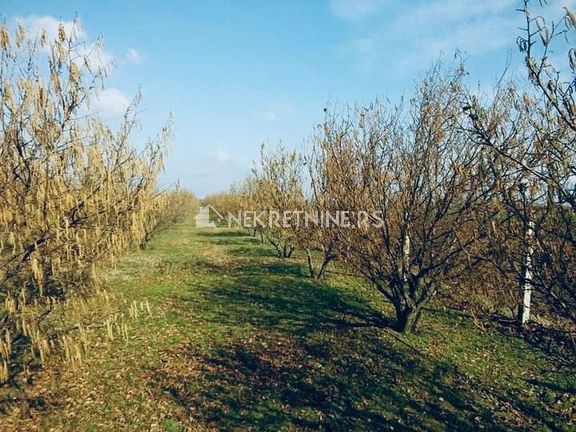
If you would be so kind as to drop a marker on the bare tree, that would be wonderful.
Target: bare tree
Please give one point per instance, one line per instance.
(532, 137)
(413, 188)
(317, 241)
(277, 190)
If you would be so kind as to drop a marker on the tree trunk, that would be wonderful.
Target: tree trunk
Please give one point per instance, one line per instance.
(324, 266)
(526, 280)
(287, 251)
(318, 274)
(407, 318)
(311, 269)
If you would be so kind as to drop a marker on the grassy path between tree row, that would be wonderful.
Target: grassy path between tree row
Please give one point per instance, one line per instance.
(241, 340)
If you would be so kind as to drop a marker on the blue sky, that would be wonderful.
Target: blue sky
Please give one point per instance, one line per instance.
(235, 73)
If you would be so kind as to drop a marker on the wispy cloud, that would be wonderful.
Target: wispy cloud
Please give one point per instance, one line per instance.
(440, 12)
(134, 56)
(412, 35)
(93, 51)
(223, 155)
(35, 24)
(270, 114)
(277, 111)
(357, 9)
(109, 103)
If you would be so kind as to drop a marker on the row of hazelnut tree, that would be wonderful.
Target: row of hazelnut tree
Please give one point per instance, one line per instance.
(475, 196)
(73, 191)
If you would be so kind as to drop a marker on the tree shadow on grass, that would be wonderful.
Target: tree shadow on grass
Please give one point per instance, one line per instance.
(219, 234)
(275, 267)
(304, 369)
(319, 358)
(275, 297)
(227, 237)
(259, 269)
(253, 250)
(24, 401)
(555, 343)
(345, 380)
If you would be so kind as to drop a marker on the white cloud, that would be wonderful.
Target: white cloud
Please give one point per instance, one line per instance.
(134, 56)
(270, 114)
(441, 12)
(96, 55)
(356, 9)
(35, 24)
(472, 27)
(414, 34)
(222, 155)
(109, 103)
(275, 112)
(93, 51)
(470, 38)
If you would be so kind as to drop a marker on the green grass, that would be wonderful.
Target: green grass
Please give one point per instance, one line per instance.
(241, 340)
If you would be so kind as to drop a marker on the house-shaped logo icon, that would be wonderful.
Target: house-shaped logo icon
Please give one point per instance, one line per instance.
(208, 217)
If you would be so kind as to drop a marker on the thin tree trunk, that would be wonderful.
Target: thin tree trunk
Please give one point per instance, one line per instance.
(405, 256)
(324, 266)
(526, 280)
(311, 269)
(287, 251)
(319, 274)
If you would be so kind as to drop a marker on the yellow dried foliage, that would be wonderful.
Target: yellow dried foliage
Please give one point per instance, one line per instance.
(74, 192)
